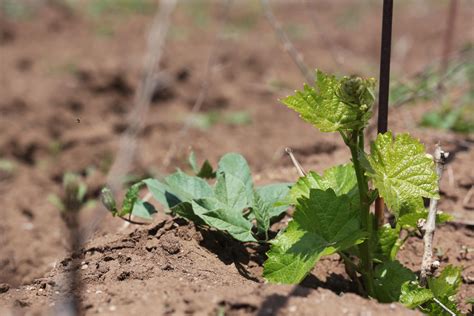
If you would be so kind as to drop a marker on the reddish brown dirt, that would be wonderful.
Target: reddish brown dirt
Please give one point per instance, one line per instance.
(66, 91)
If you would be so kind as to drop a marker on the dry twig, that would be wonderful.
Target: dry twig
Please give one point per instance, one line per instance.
(285, 41)
(295, 162)
(429, 227)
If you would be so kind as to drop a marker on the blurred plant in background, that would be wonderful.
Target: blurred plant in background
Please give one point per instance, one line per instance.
(453, 90)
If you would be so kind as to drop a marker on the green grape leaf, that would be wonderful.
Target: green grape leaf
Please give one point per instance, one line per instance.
(327, 107)
(401, 171)
(131, 196)
(143, 209)
(341, 179)
(410, 220)
(323, 224)
(222, 217)
(413, 295)
(447, 283)
(387, 247)
(389, 279)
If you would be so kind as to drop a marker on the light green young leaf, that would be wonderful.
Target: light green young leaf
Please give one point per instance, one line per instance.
(410, 220)
(401, 170)
(131, 196)
(387, 248)
(235, 167)
(389, 278)
(143, 209)
(326, 105)
(413, 295)
(205, 171)
(447, 283)
(341, 179)
(192, 162)
(222, 217)
(322, 225)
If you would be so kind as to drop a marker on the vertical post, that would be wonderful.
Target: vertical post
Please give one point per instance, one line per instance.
(384, 86)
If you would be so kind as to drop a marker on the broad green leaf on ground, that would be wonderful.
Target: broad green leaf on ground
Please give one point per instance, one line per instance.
(322, 225)
(413, 295)
(387, 247)
(223, 217)
(341, 179)
(237, 174)
(231, 191)
(274, 196)
(177, 188)
(205, 171)
(130, 198)
(268, 204)
(389, 279)
(401, 170)
(323, 106)
(261, 213)
(143, 209)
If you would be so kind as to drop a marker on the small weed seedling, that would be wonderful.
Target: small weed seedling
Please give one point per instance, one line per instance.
(72, 198)
(332, 212)
(231, 205)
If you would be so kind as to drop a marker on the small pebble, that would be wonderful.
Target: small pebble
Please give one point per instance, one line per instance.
(85, 266)
(113, 308)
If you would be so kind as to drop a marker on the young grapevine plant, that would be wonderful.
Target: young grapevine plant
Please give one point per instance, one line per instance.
(332, 210)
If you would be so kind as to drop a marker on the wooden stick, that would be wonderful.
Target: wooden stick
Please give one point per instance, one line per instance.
(429, 227)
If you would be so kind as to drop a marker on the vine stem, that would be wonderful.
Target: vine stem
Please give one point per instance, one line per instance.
(355, 141)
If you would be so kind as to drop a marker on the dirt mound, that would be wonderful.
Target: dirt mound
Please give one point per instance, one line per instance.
(171, 269)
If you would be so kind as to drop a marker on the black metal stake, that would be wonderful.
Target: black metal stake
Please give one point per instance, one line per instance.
(384, 81)
(384, 86)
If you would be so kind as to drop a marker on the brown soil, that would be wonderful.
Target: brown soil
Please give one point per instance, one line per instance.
(67, 88)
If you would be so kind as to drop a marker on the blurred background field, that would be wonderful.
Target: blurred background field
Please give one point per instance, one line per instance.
(70, 69)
